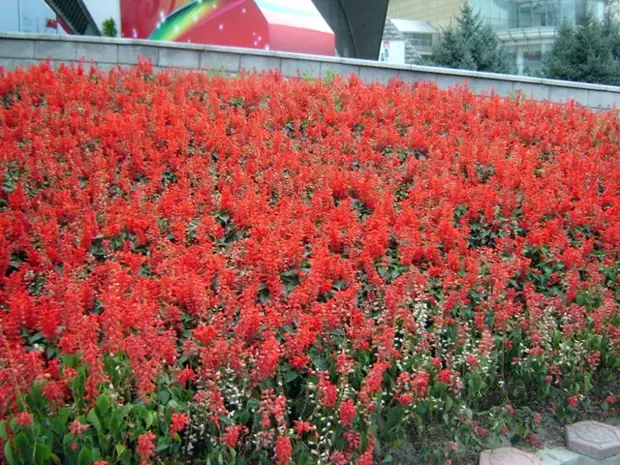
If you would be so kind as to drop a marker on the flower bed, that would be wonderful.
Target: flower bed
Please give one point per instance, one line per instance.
(260, 270)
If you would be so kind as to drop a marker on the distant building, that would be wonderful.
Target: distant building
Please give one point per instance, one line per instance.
(34, 16)
(407, 41)
(526, 28)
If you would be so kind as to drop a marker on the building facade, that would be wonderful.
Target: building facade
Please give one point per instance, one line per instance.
(526, 28)
(33, 16)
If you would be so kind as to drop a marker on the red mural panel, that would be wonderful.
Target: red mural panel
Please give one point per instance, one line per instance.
(140, 17)
(264, 24)
(293, 39)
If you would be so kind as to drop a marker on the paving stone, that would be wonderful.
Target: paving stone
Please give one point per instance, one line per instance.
(508, 456)
(563, 456)
(560, 456)
(594, 439)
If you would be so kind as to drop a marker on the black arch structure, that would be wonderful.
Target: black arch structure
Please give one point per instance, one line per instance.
(357, 24)
(76, 16)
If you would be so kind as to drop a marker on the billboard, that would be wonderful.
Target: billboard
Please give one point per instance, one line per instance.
(393, 52)
(265, 24)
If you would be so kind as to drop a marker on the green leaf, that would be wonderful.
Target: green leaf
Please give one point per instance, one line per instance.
(395, 414)
(60, 422)
(320, 363)
(515, 439)
(422, 408)
(164, 396)
(103, 404)
(85, 457)
(148, 419)
(94, 420)
(120, 448)
(55, 459)
(3, 434)
(290, 376)
(115, 422)
(8, 454)
(22, 443)
(42, 454)
(69, 360)
(243, 416)
(162, 444)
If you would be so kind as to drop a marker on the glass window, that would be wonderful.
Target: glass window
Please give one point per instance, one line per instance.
(568, 11)
(539, 14)
(494, 12)
(532, 59)
(554, 16)
(524, 14)
(9, 19)
(420, 39)
(599, 8)
(580, 6)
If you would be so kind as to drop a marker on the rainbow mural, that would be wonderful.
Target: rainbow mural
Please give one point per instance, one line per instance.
(185, 18)
(294, 26)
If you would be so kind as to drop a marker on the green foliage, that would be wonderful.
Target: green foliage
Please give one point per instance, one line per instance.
(586, 53)
(108, 429)
(471, 45)
(109, 28)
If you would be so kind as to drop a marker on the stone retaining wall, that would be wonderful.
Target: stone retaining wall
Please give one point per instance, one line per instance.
(26, 49)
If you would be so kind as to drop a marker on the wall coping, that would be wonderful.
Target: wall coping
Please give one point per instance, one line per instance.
(315, 58)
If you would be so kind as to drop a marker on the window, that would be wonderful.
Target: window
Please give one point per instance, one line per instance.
(539, 14)
(524, 14)
(416, 38)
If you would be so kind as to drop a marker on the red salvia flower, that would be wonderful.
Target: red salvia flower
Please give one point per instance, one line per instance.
(242, 237)
(283, 450)
(347, 413)
(178, 422)
(146, 447)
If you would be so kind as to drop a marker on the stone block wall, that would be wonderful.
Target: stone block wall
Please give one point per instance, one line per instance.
(23, 50)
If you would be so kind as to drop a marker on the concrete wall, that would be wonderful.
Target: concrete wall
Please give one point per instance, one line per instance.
(26, 49)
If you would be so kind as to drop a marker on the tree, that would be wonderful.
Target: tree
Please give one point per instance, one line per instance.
(589, 52)
(109, 28)
(471, 45)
